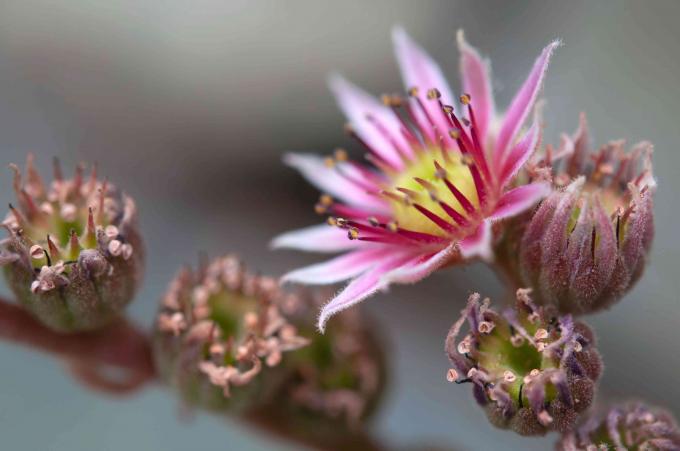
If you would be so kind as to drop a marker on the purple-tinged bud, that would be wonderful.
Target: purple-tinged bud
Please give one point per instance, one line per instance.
(231, 341)
(74, 257)
(587, 243)
(531, 372)
(626, 426)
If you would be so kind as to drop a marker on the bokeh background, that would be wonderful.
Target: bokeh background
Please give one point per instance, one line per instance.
(189, 107)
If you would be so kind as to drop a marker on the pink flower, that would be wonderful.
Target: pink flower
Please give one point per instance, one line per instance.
(440, 177)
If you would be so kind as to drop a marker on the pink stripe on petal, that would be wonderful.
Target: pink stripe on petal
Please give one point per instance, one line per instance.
(519, 154)
(358, 106)
(419, 70)
(339, 268)
(476, 77)
(360, 288)
(420, 267)
(522, 103)
(478, 244)
(319, 238)
(329, 180)
(520, 199)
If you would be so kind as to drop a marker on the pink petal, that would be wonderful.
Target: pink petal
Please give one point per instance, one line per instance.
(476, 76)
(520, 199)
(478, 244)
(339, 268)
(358, 106)
(522, 103)
(360, 288)
(331, 181)
(519, 154)
(319, 238)
(420, 267)
(419, 70)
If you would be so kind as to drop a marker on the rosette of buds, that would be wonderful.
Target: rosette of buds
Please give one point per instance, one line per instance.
(588, 242)
(74, 255)
(530, 371)
(232, 341)
(628, 426)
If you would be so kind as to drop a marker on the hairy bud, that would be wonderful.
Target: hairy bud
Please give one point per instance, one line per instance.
(74, 256)
(531, 372)
(588, 242)
(626, 426)
(232, 341)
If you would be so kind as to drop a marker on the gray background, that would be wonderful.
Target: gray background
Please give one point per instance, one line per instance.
(189, 106)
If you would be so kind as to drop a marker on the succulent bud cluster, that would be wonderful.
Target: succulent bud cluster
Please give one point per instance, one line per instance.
(217, 329)
(74, 256)
(587, 243)
(230, 340)
(632, 426)
(531, 372)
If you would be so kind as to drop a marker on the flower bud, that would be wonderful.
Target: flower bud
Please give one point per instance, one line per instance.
(232, 341)
(531, 372)
(587, 243)
(626, 426)
(74, 256)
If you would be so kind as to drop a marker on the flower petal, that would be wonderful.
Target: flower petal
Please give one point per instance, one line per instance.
(520, 199)
(319, 238)
(519, 154)
(420, 267)
(522, 103)
(478, 244)
(476, 77)
(360, 288)
(419, 70)
(331, 180)
(339, 268)
(364, 112)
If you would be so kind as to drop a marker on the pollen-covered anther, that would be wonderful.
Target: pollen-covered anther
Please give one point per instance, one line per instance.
(509, 377)
(465, 99)
(433, 94)
(485, 327)
(541, 334)
(451, 375)
(525, 374)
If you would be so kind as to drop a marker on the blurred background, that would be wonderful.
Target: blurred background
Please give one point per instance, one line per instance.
(189, 106)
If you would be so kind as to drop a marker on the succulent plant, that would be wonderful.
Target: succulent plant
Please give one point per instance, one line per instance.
(531, 372)
(74, 257)
(232, 341)
(587, 243)
(628, 426)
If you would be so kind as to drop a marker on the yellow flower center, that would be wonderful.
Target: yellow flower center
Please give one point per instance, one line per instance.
(420, 183)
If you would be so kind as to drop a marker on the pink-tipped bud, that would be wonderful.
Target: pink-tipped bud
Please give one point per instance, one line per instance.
(71, 269)
(588, 242)
(533, 385)
(626, 426)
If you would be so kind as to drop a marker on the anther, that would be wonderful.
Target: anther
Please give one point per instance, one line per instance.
(451, 375)
(465, 99)
(37, 252)
(353, 233)
(541, 334)
(509, 377)
(340, 155)
(485, 327)
(413, 92)
(433, 94)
